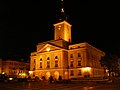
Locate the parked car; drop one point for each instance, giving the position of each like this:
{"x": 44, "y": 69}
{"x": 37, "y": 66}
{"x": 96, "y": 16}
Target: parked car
{"x": 3, "y": 77}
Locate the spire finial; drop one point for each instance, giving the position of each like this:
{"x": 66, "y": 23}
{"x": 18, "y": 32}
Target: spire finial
{"x": 61, "y": 16}
{"x": 62, "y": 9}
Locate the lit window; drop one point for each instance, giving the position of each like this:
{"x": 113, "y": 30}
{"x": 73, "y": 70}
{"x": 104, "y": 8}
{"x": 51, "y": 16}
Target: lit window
{"x": 59, "y": 27}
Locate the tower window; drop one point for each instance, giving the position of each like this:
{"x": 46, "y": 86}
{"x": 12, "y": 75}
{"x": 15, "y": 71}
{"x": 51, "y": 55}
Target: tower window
{"x": 59, "y": 27}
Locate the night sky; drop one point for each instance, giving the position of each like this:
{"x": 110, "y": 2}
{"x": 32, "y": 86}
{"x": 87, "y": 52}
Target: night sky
{"x": 24, "y": 24}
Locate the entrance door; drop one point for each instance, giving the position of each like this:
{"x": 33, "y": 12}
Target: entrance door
{"x": 56, "y": 74}
{"x": 47, "y": 75}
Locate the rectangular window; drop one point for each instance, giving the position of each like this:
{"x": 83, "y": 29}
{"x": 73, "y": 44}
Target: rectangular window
{"x": 79, "y": 63}
{"x": 79, "y": 55}
{"x": 79, "y": 72}
{"x": 71, "y": 64}
{"x": 71, "y": 55}
{"x": 71, "y": 73}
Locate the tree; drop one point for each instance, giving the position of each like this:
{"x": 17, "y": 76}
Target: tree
{"x": 110, "y": 62}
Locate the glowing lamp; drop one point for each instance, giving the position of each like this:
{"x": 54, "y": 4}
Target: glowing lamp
{"x": 86, "y": 69}
{"x": 3, "y": 72}
{"x": 30, "y": 72}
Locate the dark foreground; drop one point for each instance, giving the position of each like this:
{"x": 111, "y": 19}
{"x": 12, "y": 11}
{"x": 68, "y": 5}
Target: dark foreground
{"x": 44, "y": 85}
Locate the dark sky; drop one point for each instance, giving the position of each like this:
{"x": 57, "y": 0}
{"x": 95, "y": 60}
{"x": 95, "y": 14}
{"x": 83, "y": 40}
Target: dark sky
{"x": 24, "y": 24}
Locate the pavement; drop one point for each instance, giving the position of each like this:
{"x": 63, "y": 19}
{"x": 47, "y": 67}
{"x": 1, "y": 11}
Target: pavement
{"x": 45, "y": 85}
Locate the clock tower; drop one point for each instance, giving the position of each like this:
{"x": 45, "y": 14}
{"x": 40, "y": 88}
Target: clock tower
{"x": 62, "y": 29}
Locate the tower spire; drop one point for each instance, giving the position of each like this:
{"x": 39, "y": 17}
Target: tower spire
{"x": 62, "y": 29}
{"x": 62, "y": 16}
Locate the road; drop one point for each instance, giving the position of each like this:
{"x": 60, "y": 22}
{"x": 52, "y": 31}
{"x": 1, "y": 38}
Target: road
{"x": 59, "y": 86}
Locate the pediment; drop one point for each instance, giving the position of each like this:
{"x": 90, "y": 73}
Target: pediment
{"x": 49, "y": 47}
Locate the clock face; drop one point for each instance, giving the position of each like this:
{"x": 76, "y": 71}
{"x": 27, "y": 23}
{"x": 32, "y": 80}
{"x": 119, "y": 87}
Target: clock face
{"x": 59, "y": 27}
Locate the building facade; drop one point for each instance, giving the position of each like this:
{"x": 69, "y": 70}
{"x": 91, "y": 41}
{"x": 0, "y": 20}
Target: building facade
{"x": 59, "y": 57}
{"x": 13, "y": 68}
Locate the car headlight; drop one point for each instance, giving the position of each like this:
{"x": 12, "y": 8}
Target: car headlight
{"x": 10, "y": 78}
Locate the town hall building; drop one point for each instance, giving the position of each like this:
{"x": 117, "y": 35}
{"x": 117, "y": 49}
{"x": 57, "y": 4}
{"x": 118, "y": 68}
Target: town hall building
{"x": 59, "y": 57}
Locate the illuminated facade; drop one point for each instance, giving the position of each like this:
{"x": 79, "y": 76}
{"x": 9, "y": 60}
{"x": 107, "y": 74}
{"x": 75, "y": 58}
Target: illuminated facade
{"x": 15, "y": 68}
{"x": 59, "y": 57}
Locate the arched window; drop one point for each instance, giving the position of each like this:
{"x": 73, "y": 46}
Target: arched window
{"x": 56, "y": 57}
{"x": 48, "y": 58}
{"x": 56, "y": 61}
{"x": 48, "y": 62}
{"x": 40, "y": 59}
{"x": 40, "y": 62}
